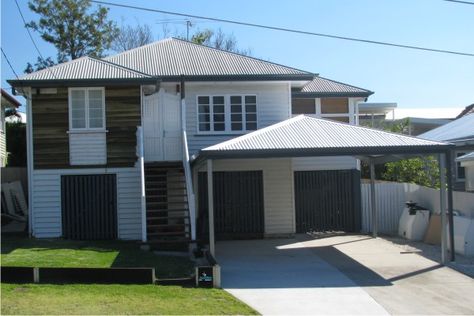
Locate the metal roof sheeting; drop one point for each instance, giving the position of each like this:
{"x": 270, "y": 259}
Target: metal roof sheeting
{"x": 306, "y": 133}
{"x": 175, "y": 57}
{"x": 320, "y": 85}
{"x": 458, "y": 130}
{"x": 84, "y": 68}
{"x": 466, "y": 157}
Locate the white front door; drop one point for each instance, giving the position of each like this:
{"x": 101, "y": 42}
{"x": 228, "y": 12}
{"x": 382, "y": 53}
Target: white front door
{"x": 162, "y": 127}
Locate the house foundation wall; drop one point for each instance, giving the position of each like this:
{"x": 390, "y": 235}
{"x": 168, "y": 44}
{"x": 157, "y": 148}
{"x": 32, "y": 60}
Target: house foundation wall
{"x": 46, "y": 201}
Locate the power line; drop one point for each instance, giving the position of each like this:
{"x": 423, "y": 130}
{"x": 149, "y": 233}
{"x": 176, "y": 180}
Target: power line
{"x": 276, "y": 28}
{"x": 31, "y": 36}
{"x": 9, "y": 63}
{"x": 459, "y": 1}
{"x": 13, "y": 69}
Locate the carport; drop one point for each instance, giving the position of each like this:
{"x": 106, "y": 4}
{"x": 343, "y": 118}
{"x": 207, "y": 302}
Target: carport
{"x": 305, "y": 136}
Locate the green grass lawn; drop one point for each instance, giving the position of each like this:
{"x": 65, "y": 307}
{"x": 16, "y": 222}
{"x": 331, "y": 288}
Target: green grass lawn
{"x": 117, "y": 299}
{"x": 24, "y": 252}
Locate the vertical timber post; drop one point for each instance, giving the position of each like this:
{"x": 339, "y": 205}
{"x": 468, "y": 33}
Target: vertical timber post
{"x": 372, "y": 199}
{"x": 442, "y": 207}
{"x": 210, "y": 198}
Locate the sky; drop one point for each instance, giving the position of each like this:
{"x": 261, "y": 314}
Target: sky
{"x": 412, "y": 79}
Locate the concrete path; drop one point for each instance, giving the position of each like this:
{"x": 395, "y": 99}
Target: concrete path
{"x": 281, "y": 276}
{"x": 340, "y": 275}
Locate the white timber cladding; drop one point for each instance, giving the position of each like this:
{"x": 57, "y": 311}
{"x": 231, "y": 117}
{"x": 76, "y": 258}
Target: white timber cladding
{"x": 279, "y": 214}
{"x": 87, "y": 148}
{"x": 46, "y": 201}
{"x": 273, "y": 102}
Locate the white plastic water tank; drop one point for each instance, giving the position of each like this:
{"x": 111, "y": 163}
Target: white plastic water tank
{"x": 463, "y": 235}
{"x": 413, "y": 227}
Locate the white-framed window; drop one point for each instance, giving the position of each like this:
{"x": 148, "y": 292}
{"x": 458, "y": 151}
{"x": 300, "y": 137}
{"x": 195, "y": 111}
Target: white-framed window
{"x": 86, "y": 109}
{"x": 460, "y": 170}
{"x": 227, "y": 114}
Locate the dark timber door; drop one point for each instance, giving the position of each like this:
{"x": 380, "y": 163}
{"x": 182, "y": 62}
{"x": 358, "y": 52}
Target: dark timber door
{"x": 89, "y": 206}
{"x": 327, "y": 200}
{"x": 238, "y": 205}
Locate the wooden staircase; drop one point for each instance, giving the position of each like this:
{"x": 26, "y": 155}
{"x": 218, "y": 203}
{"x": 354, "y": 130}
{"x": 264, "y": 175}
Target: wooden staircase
{"x": 167, "y": 212}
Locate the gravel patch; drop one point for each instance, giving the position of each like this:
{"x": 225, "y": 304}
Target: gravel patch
{"x": 433, "y": 252}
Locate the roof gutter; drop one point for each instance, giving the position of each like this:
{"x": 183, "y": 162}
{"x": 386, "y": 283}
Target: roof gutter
{"x": 330, "y": 94}
{"x": 309, "y": 152}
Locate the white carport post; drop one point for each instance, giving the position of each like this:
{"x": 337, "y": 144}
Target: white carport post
{"x": 442, "y": 207}
{"x": 372, "y": 199}
{"x": 210, "y": 199}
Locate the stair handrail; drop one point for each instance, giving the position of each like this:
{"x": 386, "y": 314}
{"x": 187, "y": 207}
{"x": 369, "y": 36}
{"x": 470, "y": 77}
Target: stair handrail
{"x": 141, "y": 157}
{"x": 187, "y": 173}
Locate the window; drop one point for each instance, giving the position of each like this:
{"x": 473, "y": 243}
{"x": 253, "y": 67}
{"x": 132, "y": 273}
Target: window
{"x": 227, "y": 113}
{"x": 460, "y": 171}
{"x": 86, "y": 108}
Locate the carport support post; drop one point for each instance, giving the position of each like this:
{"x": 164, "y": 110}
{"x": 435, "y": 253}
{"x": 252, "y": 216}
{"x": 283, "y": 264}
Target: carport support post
{"x": 210, "y": 199}
{"x": 449, "y": 171}
{"x": 372, "y": 199}
{"x": 442, "y": 207}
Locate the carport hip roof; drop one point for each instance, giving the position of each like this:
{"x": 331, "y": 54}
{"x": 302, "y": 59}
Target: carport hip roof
{"x": 307, "y": 136}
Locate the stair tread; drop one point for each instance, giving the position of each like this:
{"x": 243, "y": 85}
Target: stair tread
{"x": 167, "y": 210}
{"x": 158, "y": 218}
{"x": 175, "y": 233}
{"x": 168, "y": 202}
{"x": 165, "y": 241}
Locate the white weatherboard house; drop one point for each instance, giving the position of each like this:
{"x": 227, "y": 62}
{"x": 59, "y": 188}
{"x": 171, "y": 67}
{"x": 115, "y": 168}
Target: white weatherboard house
{"x": 173, "y": 142}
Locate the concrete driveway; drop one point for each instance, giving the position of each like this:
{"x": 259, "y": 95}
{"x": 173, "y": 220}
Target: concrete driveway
{"x": 340, "y": 275}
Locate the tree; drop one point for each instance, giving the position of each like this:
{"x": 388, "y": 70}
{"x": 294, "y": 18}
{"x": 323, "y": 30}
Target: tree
{"x": 218, "y": 39}
{"x": 423, "y": 171}
{"x": 131, "y": 37}
{"x": 16, "y": 144}
{"x": 73, "y": 28}
{"x": 40, "y": 64}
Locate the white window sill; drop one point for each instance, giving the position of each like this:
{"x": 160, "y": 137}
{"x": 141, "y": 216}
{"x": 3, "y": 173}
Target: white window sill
{"x": 87, "y": 131}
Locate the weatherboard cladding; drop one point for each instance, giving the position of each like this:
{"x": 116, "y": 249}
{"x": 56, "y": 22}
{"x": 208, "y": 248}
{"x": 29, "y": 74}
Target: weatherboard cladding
{"x": 84, "y": 68}
{"x": 175, "y": 57}
{"x": 303, "y": 132}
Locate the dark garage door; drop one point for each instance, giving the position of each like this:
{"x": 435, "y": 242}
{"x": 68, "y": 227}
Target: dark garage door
{"x": 238, "y": 205}
{"x": 327, "y": 201}
{"x": 89, "y": 207}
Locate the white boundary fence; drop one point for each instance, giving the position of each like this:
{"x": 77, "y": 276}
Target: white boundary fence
{"x": 390, "y": 198}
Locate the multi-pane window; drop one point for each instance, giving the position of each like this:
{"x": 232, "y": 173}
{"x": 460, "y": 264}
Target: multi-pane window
{"x": 460, "y": 171}
{"x": 229, "y": 113}
{"x": 87, "y": 108}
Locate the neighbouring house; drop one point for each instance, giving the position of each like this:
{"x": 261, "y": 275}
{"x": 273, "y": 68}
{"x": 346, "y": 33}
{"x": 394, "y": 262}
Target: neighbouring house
{"x": 459, "y": 132}
{"x": 173, "y": 141}
{"x": 375, "y": 114}
{"x": 467, "y": 162}
{"x": 7, "y": 101}
{"x": 467, "y": 110}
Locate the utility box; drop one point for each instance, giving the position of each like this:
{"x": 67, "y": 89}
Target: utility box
{"x": 413, "y": 222}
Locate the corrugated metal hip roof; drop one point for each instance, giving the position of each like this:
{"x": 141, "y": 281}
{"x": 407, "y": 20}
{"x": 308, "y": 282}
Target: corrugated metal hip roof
{"x": 307, "y": 136}
{"x": 174, "y": 57}
{"x": 320, "y": 86}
